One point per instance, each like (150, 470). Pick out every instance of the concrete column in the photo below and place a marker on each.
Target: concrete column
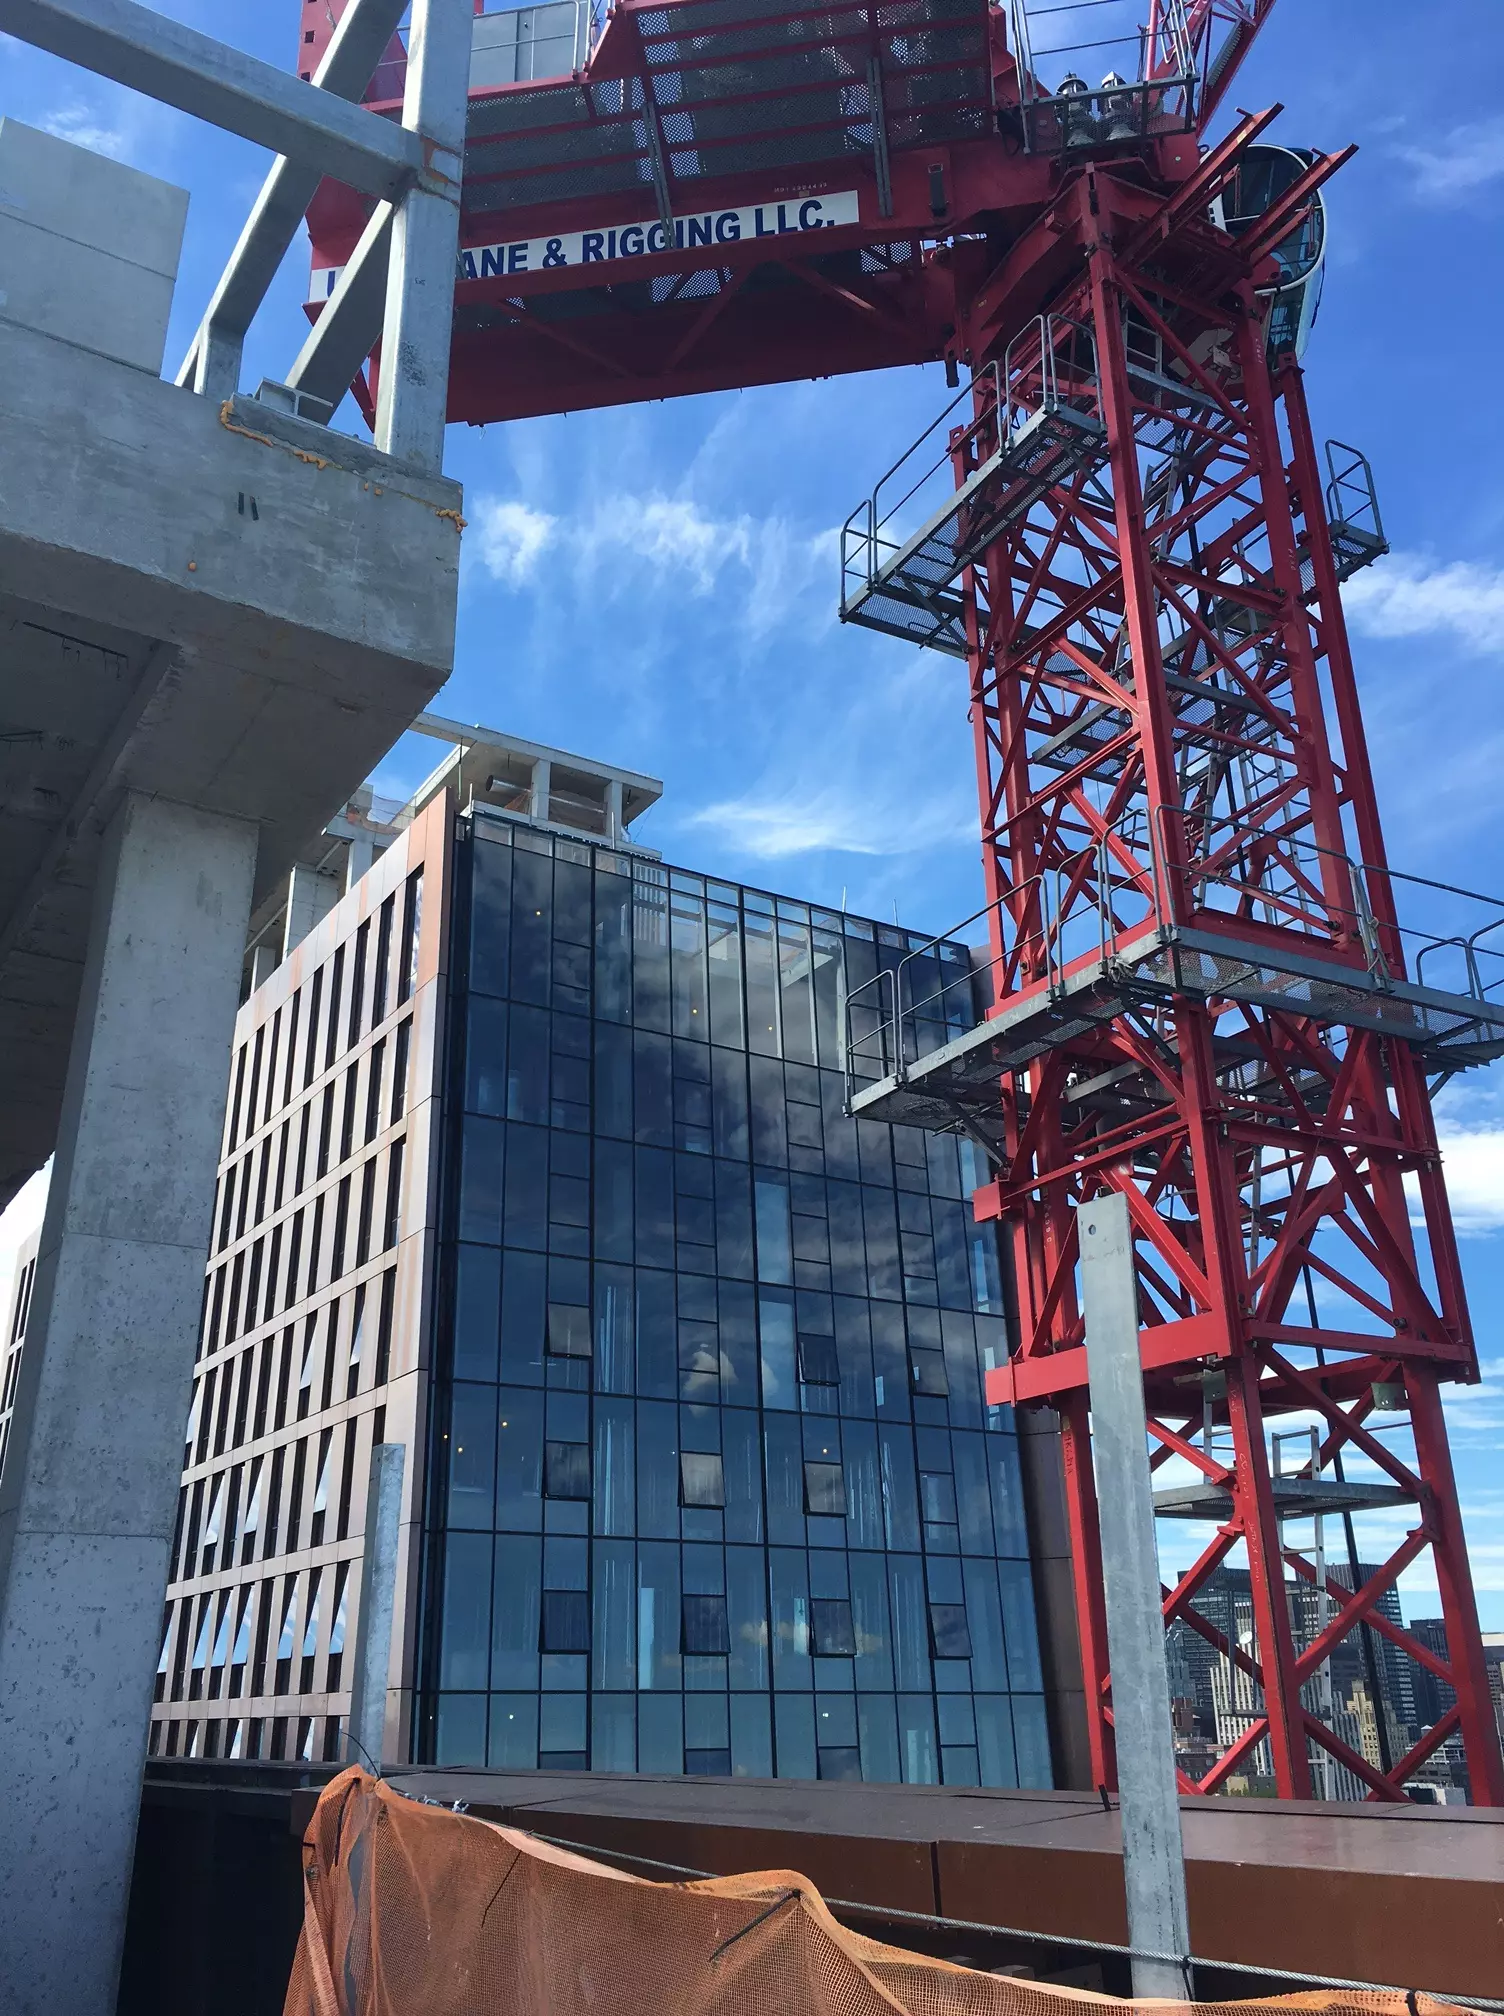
(89, 1495)
(358, 861)
(412, 397)
(616, 824)
(543, 784)
(310, 898)
(264, 962)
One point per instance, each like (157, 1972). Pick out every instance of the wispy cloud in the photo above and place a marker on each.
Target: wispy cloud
(80, 123)
(1407, 595)
(1470, 157)
(674, 537)
(510, 538)
(773, 826)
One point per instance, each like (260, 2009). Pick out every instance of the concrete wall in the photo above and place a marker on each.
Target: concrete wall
(88, 246)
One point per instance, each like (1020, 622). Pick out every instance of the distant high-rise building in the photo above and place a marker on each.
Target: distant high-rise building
(1433, 1696)
(536, 1162)
(1224, 1701)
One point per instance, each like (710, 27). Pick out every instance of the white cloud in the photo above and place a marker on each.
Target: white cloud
(80, 123)
(1472, 1160)
(1472, 156)
(673, 533)
(1405, 595)
(510, 538)
(686, 548)
(776, 827)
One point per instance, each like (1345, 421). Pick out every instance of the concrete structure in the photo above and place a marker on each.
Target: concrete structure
(568, 794)
(88, 246)
(215, 617)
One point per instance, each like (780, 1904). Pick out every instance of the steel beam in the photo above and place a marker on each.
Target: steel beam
(350, 322)
(204, 77)
(413, 397)
(212, 365)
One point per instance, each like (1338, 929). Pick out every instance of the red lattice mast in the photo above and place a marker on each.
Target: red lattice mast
(1195, 936)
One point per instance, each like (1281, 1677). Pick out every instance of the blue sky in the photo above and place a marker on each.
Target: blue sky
(657, 586)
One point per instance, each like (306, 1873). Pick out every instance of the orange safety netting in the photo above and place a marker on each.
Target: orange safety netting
(413, 1910)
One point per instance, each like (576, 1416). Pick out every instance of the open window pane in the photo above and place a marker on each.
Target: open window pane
(565, 1623)
(817, 1361)
(702, 1480)
(566, 1469)
(568, 1330)
(927, 1371)
(825, 1490)
(950, 1636)
(831, 1626)
(705, 1631)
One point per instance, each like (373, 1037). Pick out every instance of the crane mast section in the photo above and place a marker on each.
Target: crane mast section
(1185, 876)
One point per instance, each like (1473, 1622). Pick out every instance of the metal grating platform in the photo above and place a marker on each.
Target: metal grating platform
(912, 593)
(956, 1085)
(1294, 1498)
(675, 96)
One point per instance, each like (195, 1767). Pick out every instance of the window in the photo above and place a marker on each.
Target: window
(707, 1763)
(399, 1070)
(702, 1480)
(380, 982)
(566, 1470)
(565, 1620)
(950, 1637)
(831, 1628)
(817, 1361)
(705, 1632)
(568, 1330)
(937, 1496)
(393, 1196)
(927, 1371)
(412, 932)
(842, 1763)
(825, 1490)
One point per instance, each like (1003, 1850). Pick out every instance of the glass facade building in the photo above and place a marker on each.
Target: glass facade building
(711, 1485)
(536, 1163)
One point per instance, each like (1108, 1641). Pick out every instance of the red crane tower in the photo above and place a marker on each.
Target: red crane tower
(1209, 991)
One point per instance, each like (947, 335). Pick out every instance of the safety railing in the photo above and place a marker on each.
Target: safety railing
(1158, 97)
(1352, 510)
(1439, 935)
(1096, 904)
(906, 497)
(1048, 367)
(1036, 933)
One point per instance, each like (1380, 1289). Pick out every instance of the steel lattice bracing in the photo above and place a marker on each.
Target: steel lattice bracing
(1174, 793)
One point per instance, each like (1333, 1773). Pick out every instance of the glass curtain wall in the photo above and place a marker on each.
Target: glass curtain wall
(713, 1486)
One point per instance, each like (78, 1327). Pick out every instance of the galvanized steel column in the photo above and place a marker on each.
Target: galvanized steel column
(413, 395)
(1153, 1857)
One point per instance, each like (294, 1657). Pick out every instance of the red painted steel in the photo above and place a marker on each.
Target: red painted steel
(1166, 727)
(1189, 553)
